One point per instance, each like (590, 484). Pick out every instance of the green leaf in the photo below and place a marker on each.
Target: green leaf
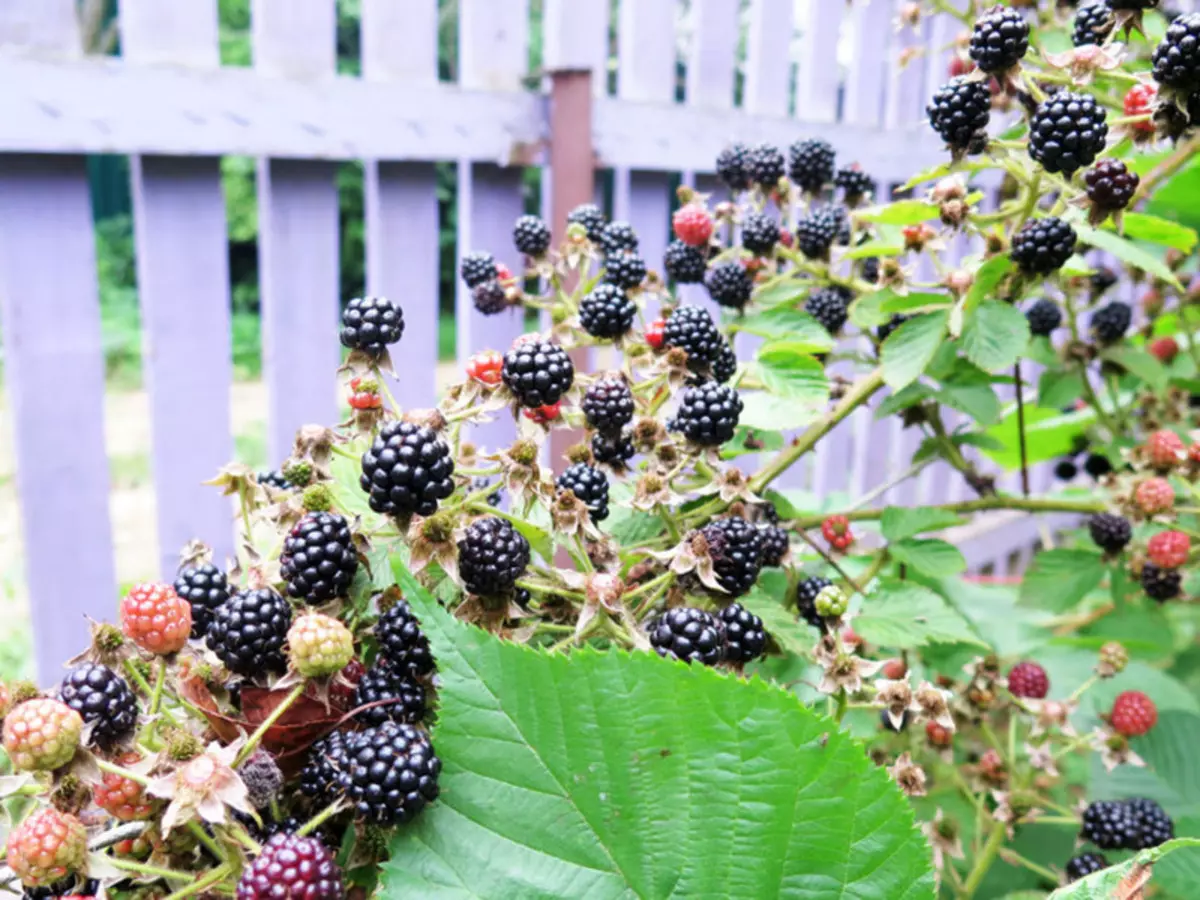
(987, 279)
(765, 600)
(933, 557)
(1103, 884)
(1058, 387)
(874, 248)
(904, 615)
(875, 309)
(784, 289)
(787, 369)
(1060, 578)
(1049, 433)
(995, 336)
(900, 212)
(1140, 362)
(1126, 251)
(795, 325)
(1145, 227)
(911, 347)
(900, 522)
(979, 401)
(771, 412)
(600, 775)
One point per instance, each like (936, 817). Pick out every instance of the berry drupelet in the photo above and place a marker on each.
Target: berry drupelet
(999, 40)
(691, 329)
(810, 164)
(606, 312)
(476, 268)
(1067, 132)
(733, 167)
(608, 404)
(729, 284)
(688, 634)
(1043, 246)
(369, 324)
(400, 698)
(407, 470)
(708, 413)
(492, 555)
(205, 587)
(1110, 185)
(248, 633)
(531, 235)
(760, 234)
(624, 268)
(1110, 322)
(806, 599)
(830, 306)
(402, 644)
(1110, 532)
(537, 372)
(765, 166)
(1093, 23)
(735, 548)
(391, 774)
(291, 866)
(1177, 57)
(590, 485)
(684, 264)
(745, 638)
(318, 561)
(589, 216)
(1085, 864)
(103, 699)
(959, 112)
(1043, 317)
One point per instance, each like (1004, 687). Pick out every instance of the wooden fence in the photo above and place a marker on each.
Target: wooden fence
(817, 68)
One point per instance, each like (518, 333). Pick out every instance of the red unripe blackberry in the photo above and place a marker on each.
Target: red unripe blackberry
(531, 235)
(999, 40)
(1154, 495)
(1164, 348)
(400, 698)
(836, 530)
(123, 798)
(248, 633)
(1028, 679)
(688, 634)
(484, 367)
(692, 329)
(1164, 449)
(1110, 825)
(937, 735)
(476, 268)
(1110, 532)
(155, 618)
(1139, 101)
(608, 405)
(760, 234)
(1043, 317)
(407, 470)
(764, 164)
(291, 867)
(656, 333)
(729, 284)
(708, 413)
(606, 312)
(369, 324)
(810, 164)
(1109, 323)
(1177, 57)
(1067, 132)
(588, 484)
(624, 268)
(46, 847)
(489, 298)
(543, 415)
(735, 548)
(806, 599)
(319, 560)
(1133, 714)
(684, 264)
(733, 167)
(959, 112)
(492, 555)
(1093, 23)
(693, 225)
(1168, 549)
(392, 773)
(401, 642)
(590, 217)
(1110, 184)
(745, 638)
(830, 306)
(537, 372)
(41, 734)
(1160, 584)
(724, 366)
(1085, 863)
(103, 699)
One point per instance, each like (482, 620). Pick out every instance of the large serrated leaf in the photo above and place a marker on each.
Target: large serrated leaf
(1156, 230)
(995, 336)
(900, 522)
(905, 615)
(1107, 884)
(610, 775)
(933, 557)
(788, 369)
(1060, 578)
(784, 322)
(1126, 251)
(911, 347)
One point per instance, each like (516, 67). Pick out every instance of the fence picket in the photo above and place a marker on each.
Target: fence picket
(906, 77)
(768, 58)
(712, 55)
(819, 80)
(865, 81)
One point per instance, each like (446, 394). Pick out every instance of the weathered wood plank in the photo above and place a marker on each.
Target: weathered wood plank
(576, 37)
(906, 79)
(493, 43)
(399, 41)
(45, 27)
(820, 77)
(865, 85)
(768, 61)
(712, 55)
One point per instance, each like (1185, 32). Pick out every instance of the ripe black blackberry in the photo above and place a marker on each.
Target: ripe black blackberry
(323, 777)
(889, 326)
(275, 479)
(774, 544)
(608, 404)
(1154, 824)
(1110, 532)
(760, 234)
(1085, 864)
(1177, 57)
(492, 555)
(401, 642)
(1044, 316)
(1111, 825)
(708, 413)
(248, 633)
(1101, 280)
(103, 699)
(854, 182)
(1065, 469)
(888, 725)
(816, 231)
(205, 588)
(1110, 184)
(733, 167)
(1097, 465)
(407, 470)
(590, 485)
(292, 866)
(392, 773)
(683, 263)
(624, 268)
(691, 329)
(688, 634)
(405, 698)
(745, 638)
(765, 166)
(959, 112)
(591, 218)
(830, 306)
(617, 236)
(262, 777)
(531, 235)
(369, 324)
(70, 886)
(606, 312)
(724, 366)
(729, 284)
(1160, 584)
(612, 450)
(735, 547)
(1067, 132)
(810, 164)
(870, 269)
(1093, 23)
(1137, 5)
(1110, 322)
(999, 40)
(1042, 246)
(806, 599)
(318, 561)
(478, 267)
(489, 298)
(537, 372)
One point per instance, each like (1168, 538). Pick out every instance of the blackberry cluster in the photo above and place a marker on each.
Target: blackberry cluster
(733, 167)
(324, 770)
(724, 366)
(624, 268)
(959, 112)
(612, 450)
(606, 312)
(369, 324)
(1097, 465)
(1093, 23)
(764, 164)
(810, 164)
(816, 231)
(1043, 317)
(402, 644)
(745, 637)
(854, 182)
(103, 699)
(1156, 826)
(489, 298)
(618, 236)
(531, 235)
(806, 599)
(683, 263)
(400, 698)
(1160, 584)
(1110, 532)
(999, 40)
(1135, 824)
(1043, 246)
(1177, 57)
(708, 413)
(248, 633)
(688, 634)
(1085, 864)
(1110, 184)
(735, 548)
(775, 544)
(275, 479)
(1101, 280)
(391, 773)
(492, 555)
(407, 470)
(476, 268)
(1065, 469)
(537, 372)
(205, 588)
(319, 560)
(1110, 322)
(691, 329)
(889, 326)
(830, 306)
(729, 284)
(870, 269)
(760, 234)
(1067, 132)
(590, 485)
(590, 217)
(608, 404)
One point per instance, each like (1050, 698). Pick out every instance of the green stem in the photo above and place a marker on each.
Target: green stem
(984, 861)
(159, 680)
(320, 818)
(1016, 859)
(840, 712)
(270, 720)
(113, 769)
(206, 839)
(154, 871)
(199, 886)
